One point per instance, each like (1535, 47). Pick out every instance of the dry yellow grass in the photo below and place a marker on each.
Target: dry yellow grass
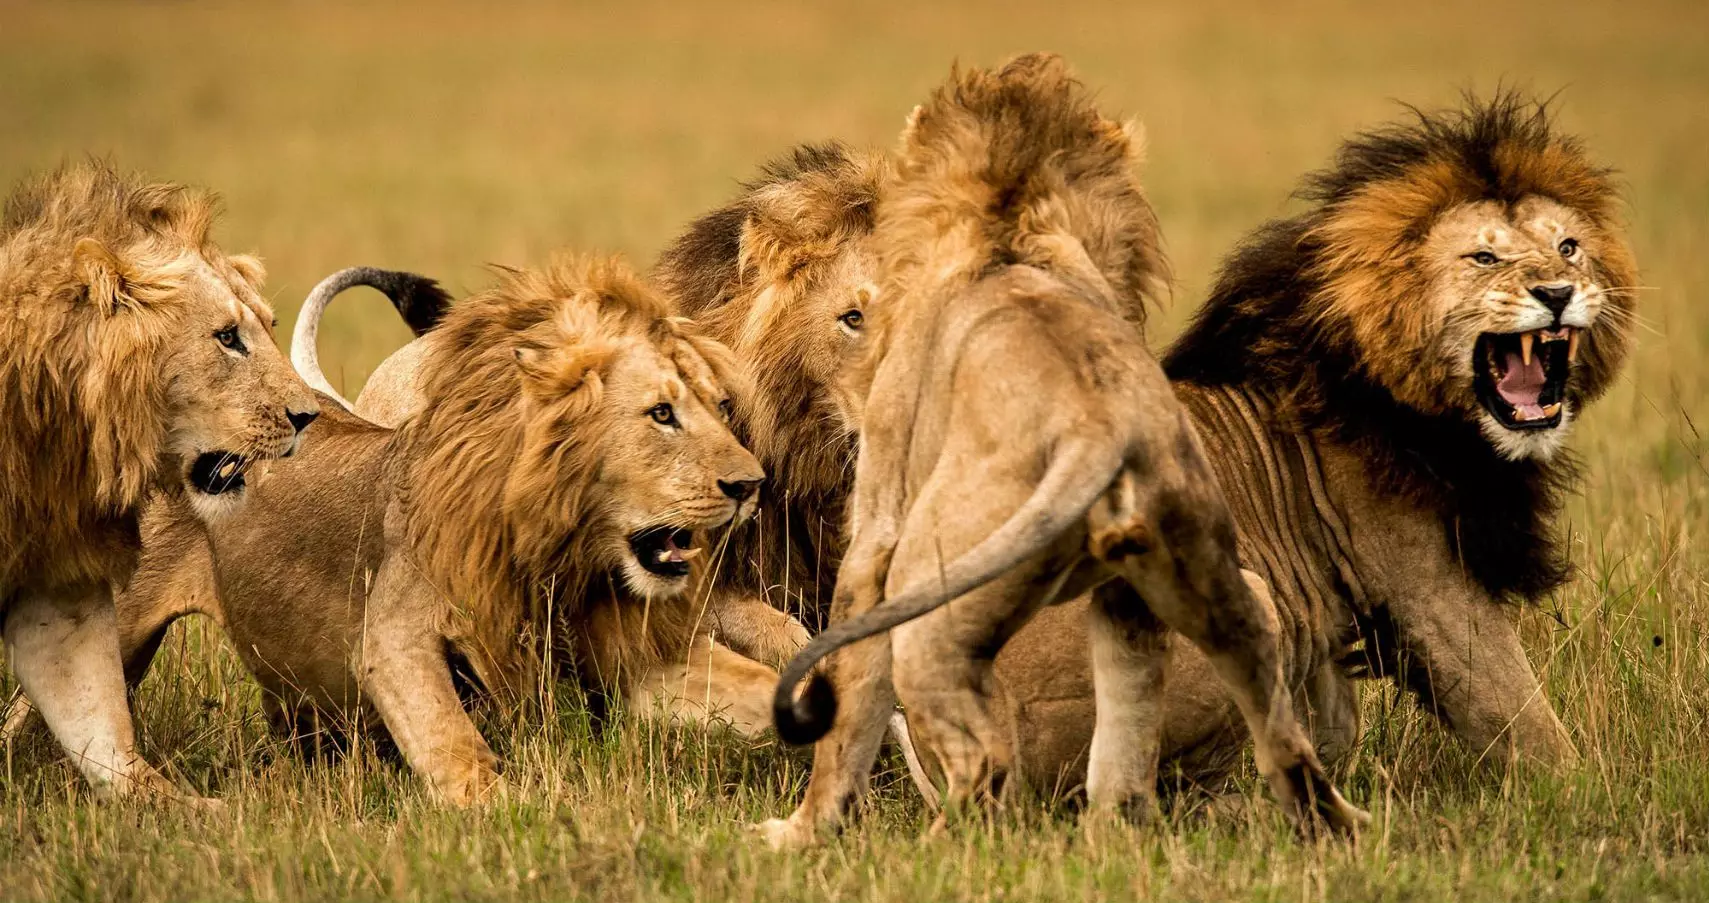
(438, 138)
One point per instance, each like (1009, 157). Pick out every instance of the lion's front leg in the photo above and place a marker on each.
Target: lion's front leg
(714, 684)
(754, 628)
(1460, 652)
(405, 674)
(65, 653)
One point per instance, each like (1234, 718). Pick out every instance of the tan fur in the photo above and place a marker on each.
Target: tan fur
(492, 531)
(1019, 446)
(111, 385)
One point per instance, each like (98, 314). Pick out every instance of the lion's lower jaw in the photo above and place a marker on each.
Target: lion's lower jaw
(211, 509)
(647, 585)
(1516, 445)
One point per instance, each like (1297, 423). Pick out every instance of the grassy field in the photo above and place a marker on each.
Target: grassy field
(439, 138)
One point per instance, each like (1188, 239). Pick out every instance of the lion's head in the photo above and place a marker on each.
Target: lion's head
(1460, 289)
(1469, 264)
(783, 275)
(155, 346)
(573, 431)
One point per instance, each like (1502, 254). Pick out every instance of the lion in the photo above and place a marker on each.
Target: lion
(139, 359)
(1387, 382)
(547, 506)
(1019, 446)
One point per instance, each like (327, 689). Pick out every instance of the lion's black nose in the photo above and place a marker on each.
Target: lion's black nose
(739, 490)
(1554, 297)
(301, 420)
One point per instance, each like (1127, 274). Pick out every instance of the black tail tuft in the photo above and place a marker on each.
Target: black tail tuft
(804, 720)
(419, 300)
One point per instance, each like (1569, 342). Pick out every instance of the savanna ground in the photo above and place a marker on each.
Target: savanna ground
(440, 138)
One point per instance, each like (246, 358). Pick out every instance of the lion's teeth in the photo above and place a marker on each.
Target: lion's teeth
(1572, 345)
(1550, 410)
(663, 555)
(1526, 340)
(228, 470)
(687, 554)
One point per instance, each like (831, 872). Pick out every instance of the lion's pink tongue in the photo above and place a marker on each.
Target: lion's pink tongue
(1522, 384)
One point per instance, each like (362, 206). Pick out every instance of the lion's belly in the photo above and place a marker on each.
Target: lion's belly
(1046, 672)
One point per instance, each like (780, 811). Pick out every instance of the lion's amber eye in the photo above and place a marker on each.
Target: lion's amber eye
(1569, 247)
(1484, 259)
(229, 338)
(663, 413)
(853, 319)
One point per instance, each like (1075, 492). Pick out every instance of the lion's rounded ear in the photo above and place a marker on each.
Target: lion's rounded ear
(911, 124)
(101, 272)
(554, 373)
(250, 268)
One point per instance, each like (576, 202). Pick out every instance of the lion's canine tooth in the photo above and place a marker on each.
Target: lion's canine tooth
(1550, 410)
(1572, 344)
(1526, 339)
(228, 470)
(688, 554)
(662, 555)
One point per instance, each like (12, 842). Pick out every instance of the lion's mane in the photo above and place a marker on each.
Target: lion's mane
(504, 511)
(91, 263)
(1294, 307)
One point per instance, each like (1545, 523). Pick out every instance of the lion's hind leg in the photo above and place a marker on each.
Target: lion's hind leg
(1129, 652)
(1183, 564)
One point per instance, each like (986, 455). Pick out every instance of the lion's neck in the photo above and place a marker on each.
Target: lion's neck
(1499, 515)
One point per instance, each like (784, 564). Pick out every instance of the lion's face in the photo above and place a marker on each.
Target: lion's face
(672, 468)
(1516, 294)
(233, 399)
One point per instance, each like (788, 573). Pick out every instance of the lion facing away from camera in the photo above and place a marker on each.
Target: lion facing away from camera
(1019, 446)
(138, 358)
(546, 506)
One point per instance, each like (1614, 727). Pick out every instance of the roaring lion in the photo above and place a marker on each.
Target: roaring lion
(545, 506)
(1387, 382)
(138, 358)
(1019, 446)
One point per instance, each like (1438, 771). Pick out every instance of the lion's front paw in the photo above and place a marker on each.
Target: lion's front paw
(785, 833)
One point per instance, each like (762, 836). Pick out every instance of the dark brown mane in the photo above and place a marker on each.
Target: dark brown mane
(1280, 318)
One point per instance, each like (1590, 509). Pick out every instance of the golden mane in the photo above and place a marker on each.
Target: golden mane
(503, 509)
(1016, 166)
(91, 263)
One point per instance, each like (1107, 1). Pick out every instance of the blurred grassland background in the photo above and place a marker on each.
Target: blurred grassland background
(437, 138)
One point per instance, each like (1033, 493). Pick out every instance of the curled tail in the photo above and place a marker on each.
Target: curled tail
(418, 299)
(1078, 476)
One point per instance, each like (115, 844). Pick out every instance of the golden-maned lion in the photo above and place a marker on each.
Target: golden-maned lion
(1388, 380)
(134, 357)
(543, 506)
(1019, 446)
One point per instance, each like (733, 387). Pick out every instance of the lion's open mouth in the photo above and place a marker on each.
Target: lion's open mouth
(218, 472)
(1521, 377)
(664, 551)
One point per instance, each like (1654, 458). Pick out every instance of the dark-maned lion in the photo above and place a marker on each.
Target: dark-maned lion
(1019, 446)
(782, 276)
(543, 505)
(1386, 382)
(135, 357)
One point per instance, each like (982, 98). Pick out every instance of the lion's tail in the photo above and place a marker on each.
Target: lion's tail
(1080, 473)
(418, 299)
